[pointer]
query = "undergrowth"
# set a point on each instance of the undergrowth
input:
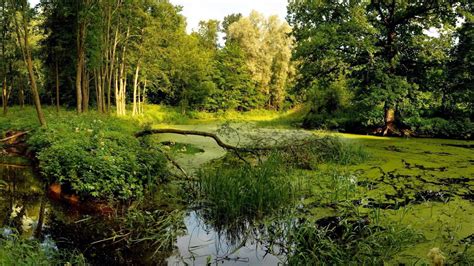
(15, 250)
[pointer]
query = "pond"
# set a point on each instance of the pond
(426, 185)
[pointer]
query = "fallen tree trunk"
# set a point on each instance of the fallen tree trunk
(203, 134)
(17, 135)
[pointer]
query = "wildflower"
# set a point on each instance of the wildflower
(26, 223)
(15, 211)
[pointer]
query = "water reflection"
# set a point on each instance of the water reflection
(24, 207)
(203, 245)
(21, 207)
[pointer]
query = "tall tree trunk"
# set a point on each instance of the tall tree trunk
(121, 109)
(143, 98)
(98, 90)
(139, 99)
(4, 96)
(57, 87)
(112, 66)
(117, 104)
(389, 119)
(26, 52)
(34, 88)
(135, 88)
(85, 90)
(80, 64)
(21, 95)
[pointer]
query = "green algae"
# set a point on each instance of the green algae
(424, 184)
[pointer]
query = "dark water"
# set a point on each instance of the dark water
(26, 207)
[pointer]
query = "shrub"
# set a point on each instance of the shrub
(98, 159)
(439, 127)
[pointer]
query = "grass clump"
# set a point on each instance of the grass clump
(238, 192)
(17, 251)
(345, 241)
(310, 152)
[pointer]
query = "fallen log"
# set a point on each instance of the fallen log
(203, 134)
(17, 135)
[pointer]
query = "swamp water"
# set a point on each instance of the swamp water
(426, 185)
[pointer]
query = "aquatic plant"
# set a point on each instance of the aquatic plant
(156, 230)
(234, 191)
(346, 241)
(15, 250)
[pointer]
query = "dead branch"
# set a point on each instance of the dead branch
(15, 136)
(203, 134)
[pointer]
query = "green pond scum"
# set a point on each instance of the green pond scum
(423, 184)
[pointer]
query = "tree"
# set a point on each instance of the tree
(267, 46)
(228, 20)
(208, 34)
(21, 13)
(459, 93)
(373, 43)
(235, 87)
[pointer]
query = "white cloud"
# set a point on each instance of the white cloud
(197, 10)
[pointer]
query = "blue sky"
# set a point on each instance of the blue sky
(196, 10)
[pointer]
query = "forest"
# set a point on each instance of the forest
(340, 134)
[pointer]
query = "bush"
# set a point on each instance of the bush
(97, 159)
(439, 127)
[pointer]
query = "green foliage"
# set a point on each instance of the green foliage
(92, 154)
(244, 191)
(235, 89)
(17, 251)
(439, 127)
(347, 242)
(77, 151)
(358, 61)
(311, 152)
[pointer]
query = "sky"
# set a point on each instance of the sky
(197, 10)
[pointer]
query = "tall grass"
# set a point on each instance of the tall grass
(310, 152)
(347, 243)
(244, 191)
(17, 251)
